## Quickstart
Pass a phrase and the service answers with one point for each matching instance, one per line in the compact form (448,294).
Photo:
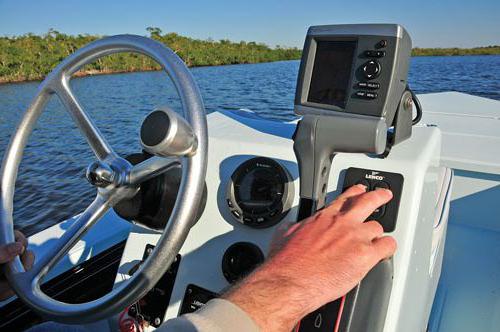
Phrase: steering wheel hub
(100,174)
(109,174)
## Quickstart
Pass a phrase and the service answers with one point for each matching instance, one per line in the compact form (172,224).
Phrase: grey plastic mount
(402,120)
(389,30)
(317,139)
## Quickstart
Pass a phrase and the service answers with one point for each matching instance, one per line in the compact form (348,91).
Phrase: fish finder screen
(331,72)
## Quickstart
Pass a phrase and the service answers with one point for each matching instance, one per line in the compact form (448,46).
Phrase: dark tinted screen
(259,189)
(331,72)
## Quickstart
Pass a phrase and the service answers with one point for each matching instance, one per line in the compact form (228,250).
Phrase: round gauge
(260,192)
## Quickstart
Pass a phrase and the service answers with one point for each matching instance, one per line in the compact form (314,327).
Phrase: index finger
(338,203)
(362,206)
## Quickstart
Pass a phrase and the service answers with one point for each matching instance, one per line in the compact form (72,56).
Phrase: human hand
(7,253)
(316,261)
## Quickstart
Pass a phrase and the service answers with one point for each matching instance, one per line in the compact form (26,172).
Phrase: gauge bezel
(268,218)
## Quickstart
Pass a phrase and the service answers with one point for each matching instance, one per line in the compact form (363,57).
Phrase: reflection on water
(51,186)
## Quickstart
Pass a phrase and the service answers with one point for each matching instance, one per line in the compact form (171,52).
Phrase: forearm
(273,301)
(218,315)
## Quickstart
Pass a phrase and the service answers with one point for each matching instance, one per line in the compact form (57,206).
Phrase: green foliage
(31,57)
(154,31)
(486,50)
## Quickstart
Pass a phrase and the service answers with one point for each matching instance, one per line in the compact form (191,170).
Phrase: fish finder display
(331,72)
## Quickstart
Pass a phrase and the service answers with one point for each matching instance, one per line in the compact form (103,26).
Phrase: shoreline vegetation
(31,57)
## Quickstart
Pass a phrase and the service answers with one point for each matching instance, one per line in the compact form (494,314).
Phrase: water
(51,185)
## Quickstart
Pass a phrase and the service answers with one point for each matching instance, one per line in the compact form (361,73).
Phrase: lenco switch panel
(387,214)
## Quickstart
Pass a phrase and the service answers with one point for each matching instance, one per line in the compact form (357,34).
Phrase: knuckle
(375,226)
(365,250)
(365,254)
(348,236)
(383,195)
(318,216)
(346,232)
(378,196)
(337,218)
(391,242)
(387,245)
(356,189)
(362,250)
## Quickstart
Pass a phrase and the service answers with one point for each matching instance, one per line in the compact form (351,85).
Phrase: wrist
(275,302)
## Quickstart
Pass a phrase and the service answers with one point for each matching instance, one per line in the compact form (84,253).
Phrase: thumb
(9,251)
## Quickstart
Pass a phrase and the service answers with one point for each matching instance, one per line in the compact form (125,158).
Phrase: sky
(431,23)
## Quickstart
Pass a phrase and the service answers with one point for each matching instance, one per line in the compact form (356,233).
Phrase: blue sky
(431,23)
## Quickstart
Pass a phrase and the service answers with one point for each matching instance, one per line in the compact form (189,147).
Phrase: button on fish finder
(366,94)
(381,44)
(371,69)
(373,85)
(369,85)
(374,54)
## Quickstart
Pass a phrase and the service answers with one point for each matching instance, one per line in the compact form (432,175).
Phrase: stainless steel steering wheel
(118,180)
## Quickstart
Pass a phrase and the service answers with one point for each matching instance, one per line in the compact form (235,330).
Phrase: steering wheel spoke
(94,137)
(72,235)
(150,168)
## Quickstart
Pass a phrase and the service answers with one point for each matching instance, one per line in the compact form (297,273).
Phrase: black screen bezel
(312,43)
(333,64)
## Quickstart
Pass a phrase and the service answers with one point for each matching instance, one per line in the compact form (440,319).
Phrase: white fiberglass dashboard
(199,274)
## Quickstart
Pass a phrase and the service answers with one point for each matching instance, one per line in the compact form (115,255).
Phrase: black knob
(165,133)
(240,259)
(371,69)
(381,44)
(155,128)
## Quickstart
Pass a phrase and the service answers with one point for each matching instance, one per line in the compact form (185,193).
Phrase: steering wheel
(114,178)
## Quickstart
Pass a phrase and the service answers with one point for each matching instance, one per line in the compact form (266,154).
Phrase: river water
(51,185)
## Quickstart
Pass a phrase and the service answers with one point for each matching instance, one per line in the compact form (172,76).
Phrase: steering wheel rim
(27,283)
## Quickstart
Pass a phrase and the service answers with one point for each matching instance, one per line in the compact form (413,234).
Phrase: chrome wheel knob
(100,174)
(165,133)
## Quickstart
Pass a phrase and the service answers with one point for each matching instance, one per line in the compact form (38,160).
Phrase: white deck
(468,297)
(471,129)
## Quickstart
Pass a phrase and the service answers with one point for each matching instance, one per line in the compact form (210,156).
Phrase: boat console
(354,97)
(356,126)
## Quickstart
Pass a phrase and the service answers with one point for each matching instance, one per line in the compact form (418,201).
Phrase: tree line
(32,57)
(485,50)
